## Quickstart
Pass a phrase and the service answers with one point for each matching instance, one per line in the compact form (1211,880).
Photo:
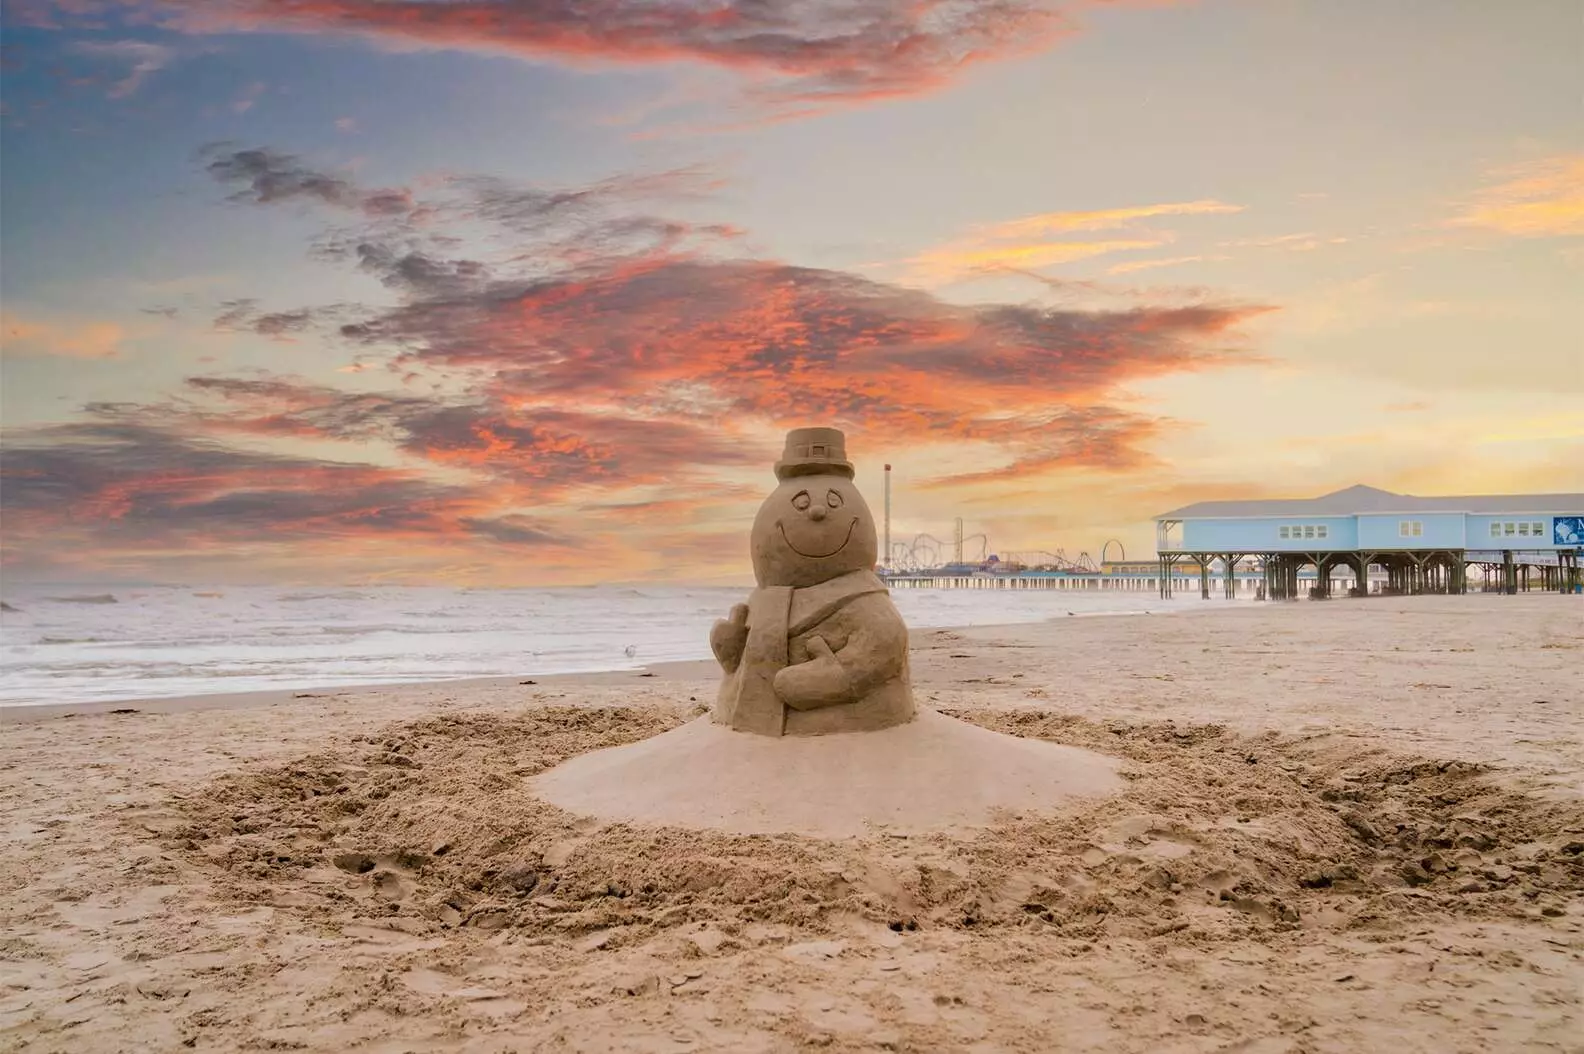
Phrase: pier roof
(1361,500)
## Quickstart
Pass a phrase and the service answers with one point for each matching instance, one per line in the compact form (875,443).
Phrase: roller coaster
(971,553)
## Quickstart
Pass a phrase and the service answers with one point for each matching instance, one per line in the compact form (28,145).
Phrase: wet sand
(1347,826)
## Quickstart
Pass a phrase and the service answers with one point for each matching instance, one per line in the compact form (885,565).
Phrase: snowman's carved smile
(817,556)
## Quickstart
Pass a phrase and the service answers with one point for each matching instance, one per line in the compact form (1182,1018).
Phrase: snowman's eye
(800,500)
(833,499)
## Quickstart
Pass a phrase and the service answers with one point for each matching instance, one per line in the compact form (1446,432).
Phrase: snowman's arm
(728,636)
(876,649)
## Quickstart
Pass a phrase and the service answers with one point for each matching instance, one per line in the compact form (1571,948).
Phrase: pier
(1277,580)
(1075,581)
(1513,542)
(1358,542)
(1247,580)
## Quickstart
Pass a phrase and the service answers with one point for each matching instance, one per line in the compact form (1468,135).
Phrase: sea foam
(167,641)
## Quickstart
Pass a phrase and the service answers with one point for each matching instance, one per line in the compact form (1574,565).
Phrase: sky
(527,292)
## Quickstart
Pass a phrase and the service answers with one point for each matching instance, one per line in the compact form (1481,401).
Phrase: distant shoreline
(19,713)
(25,710)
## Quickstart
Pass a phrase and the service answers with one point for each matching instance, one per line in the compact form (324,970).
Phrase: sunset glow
(492,292)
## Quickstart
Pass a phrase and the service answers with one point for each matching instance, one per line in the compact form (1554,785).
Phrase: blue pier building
(1424,544)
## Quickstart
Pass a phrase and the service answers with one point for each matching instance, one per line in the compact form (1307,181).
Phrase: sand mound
(434,825)
(933,774)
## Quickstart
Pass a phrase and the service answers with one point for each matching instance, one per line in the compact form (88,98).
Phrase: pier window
(1518,528)
(1296,531)
(1410,528)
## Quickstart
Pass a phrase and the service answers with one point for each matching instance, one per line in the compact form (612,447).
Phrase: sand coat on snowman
(819,647)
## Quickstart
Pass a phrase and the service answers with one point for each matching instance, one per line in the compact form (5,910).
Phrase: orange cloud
(939,266)
(1029,243)
(1297,243)
(1149,265)
(1544,199)
(1099,219)
(544,451)
(759,340)
(35,338)
(153,483)
(114,493)
(799,53)
(605,369)
(795,58)
(636,336)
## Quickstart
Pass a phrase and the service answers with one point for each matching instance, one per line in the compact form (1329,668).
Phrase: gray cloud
(140,481)
(244,314)
(265,177)
(513,530)
(543,449)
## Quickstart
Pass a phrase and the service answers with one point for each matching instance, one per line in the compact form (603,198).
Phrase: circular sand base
(933,774)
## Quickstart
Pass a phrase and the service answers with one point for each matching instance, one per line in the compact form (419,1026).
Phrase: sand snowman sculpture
(814,729)
(819,647)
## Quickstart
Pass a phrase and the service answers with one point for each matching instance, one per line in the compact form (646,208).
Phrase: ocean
(71,645)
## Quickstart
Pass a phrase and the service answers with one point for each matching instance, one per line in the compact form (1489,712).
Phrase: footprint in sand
(389,875)
(390,886)
(1218,885)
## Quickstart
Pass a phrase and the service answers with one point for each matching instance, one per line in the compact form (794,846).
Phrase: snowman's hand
(821,681)
(818,650)
(728,637)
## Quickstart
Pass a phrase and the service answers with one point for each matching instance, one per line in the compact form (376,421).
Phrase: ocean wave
(96,598)
(368,630)
(166,643)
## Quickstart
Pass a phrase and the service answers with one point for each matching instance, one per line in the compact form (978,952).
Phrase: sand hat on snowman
(814,452)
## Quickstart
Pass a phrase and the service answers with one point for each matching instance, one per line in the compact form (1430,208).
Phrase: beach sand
(1346,826)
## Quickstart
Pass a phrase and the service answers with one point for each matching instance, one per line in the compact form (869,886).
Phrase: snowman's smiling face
(819,524)
(811,529)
